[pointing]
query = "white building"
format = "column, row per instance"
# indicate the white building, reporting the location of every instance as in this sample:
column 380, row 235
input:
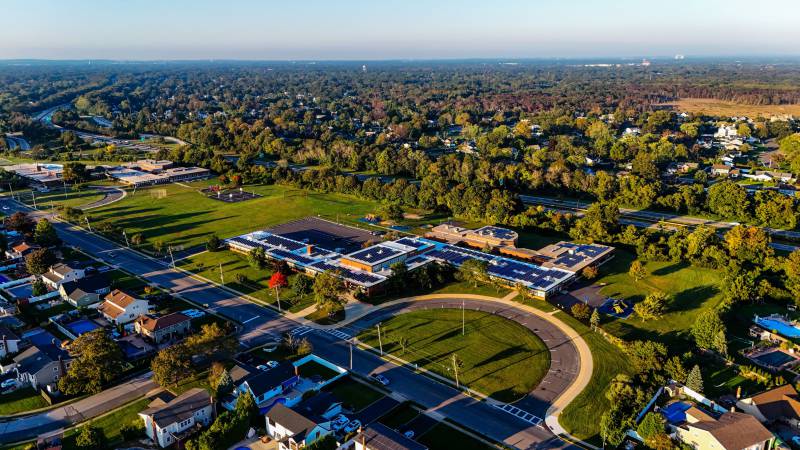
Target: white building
column 166, row 423
column 61, row 273
column 121, row 308
column 293, row 430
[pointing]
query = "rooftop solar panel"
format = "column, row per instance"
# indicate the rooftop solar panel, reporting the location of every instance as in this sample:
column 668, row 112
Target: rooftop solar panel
column 374, row 254
column 412, row 243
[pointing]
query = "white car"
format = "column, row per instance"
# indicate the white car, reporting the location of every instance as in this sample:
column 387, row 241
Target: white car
column 380, row 379
column 339, row 422
column 273, row 364
column 11, row 382
column 352, row 426
column 262, row 367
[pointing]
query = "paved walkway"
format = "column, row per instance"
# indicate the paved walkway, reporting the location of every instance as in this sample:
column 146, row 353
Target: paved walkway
column 568, row 395
column 112, row 195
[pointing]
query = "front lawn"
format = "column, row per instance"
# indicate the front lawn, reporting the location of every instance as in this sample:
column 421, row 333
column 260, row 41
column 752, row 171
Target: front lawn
column 111, row 423
column 21, row 400
column 254, row 283
column 354, row 395
column 500, row 358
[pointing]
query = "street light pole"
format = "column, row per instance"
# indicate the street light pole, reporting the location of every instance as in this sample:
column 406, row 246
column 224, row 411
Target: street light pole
column 221, row 275
column 125, row 235
column 380, row 341
column 462, row 318
column 171, row 257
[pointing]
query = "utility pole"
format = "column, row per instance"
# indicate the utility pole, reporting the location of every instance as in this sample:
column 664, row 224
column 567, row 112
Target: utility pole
column 171, row 257
column 88, row 224
column 455, row 369
column 463, row 321
column 11, row 188
column 125, row 235
column 351, row 353
column 221, row 275
column 34, row 199
column 380, row 341
column 278, row 297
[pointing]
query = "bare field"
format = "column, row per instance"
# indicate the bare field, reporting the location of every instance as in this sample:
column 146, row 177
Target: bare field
column 715, row 107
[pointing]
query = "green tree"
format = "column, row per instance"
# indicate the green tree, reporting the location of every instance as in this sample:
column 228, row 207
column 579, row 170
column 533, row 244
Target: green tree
column 581, row 311
column 38, row 261
column 301, row 285
column 729, row 200
column 212, row 243
column 790, row 147
column 707, row 328
column 45, row 234
column 637, row 271
column 675, row 369
column 652, row 307
column 695, row 379
column 257, row 257
column 328, row 290
column 91, row 437
column 75, row 172
column 594, row 320
column 96, row 361
column 651, row 426
column 171, row 365
column 38, row 288
column 600, row 223
column 474, row 271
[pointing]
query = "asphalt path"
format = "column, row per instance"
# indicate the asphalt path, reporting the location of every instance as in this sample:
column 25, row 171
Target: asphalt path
column 260, row 325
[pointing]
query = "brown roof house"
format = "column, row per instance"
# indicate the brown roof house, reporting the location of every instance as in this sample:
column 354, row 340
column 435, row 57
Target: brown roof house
column 169, row 422
column 781, row 404
column 728, row 431
column 163, row 328
column 121, row 308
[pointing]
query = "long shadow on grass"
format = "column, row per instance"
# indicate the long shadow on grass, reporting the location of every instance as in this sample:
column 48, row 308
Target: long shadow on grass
column 670, row 269
column 692, row 298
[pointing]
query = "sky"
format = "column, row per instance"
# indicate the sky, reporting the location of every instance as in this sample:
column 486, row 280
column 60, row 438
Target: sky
column 394, row 29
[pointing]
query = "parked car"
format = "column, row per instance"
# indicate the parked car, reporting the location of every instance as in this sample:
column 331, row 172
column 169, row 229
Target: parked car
column 262, row 367
column 273, row 364
column 380, row 379
column 339, row 422
column 9, row 383
column 352, row 426
column 409, row 434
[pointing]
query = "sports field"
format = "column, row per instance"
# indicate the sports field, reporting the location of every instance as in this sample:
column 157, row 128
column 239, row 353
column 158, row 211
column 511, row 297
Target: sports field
column 500, row 358
column 180, row 215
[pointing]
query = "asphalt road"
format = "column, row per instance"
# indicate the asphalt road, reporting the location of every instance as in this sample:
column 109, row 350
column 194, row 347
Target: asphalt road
column 260, row 325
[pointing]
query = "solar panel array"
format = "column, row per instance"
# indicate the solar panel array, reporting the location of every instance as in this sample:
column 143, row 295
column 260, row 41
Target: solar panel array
column 501, row 233
column 242, row 242
column 292, row 257
column 374, row 254
column 412, row 243
column 274, row 240
column 358, row 276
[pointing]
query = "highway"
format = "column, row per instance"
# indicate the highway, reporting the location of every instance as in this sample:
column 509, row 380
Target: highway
column 259, row 325
column 654, row 219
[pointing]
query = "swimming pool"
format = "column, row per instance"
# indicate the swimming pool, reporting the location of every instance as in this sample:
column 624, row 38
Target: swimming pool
column 675, row 413
column 774, row 359
column 82, row 326
column 782, row 327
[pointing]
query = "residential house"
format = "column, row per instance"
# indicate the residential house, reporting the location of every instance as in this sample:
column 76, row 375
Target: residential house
column 377, row 436
column 267, row 386
column 40, row 366
column 7, row 308
column 9, row 344
column 85, row 291
column 21, row 250
column 728, row 131
column 720, row 170
column 62, row 273
column 293, row 430
column 168, row 422
column 729, row 431
column 632, row 131
column 323, row 404
column 163, row 328
column 778, row 405
column 121, row 308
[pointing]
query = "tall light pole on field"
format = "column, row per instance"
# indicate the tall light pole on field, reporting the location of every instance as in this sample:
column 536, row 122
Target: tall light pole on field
column 463, row 321
column 380, row 341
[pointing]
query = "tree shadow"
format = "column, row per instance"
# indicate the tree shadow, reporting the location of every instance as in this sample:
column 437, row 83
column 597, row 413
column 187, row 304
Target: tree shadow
column 670, row 269
column 692, row 298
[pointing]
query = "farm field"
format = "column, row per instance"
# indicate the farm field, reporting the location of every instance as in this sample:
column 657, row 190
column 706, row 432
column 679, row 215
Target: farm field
column 500, row 358
column 716, row 107
column 179, row 215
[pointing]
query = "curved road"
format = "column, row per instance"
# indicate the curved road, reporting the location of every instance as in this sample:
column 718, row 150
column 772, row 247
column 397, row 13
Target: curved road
column 111, row 195
column 564, row 358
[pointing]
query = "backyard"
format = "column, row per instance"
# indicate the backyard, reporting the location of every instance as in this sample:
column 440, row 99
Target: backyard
column 499, row 358
column 21, row 400
column 180, row 216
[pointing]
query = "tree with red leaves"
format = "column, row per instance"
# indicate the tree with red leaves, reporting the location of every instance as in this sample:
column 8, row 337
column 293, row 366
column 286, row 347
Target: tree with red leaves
column 277, row 281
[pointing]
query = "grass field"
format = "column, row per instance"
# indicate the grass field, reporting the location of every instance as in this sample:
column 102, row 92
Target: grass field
column 48, row 200
column 207, row 265
column 179, row 215
column 501, row 358
column 715, row 107
column 111, row 423
column 693, row 291
column 21, row 400
column 354, row 395
column 581, row 417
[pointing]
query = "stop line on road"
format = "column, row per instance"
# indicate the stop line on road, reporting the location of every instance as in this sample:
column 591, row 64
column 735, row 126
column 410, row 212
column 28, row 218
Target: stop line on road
column 303, row 330
column 340, row 334
column 520, row 414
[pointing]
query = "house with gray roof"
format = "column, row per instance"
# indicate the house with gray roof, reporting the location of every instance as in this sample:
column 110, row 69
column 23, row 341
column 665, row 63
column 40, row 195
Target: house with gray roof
column 168, row 422
column 294, row 430
column 85, row 291
column 40, row 366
